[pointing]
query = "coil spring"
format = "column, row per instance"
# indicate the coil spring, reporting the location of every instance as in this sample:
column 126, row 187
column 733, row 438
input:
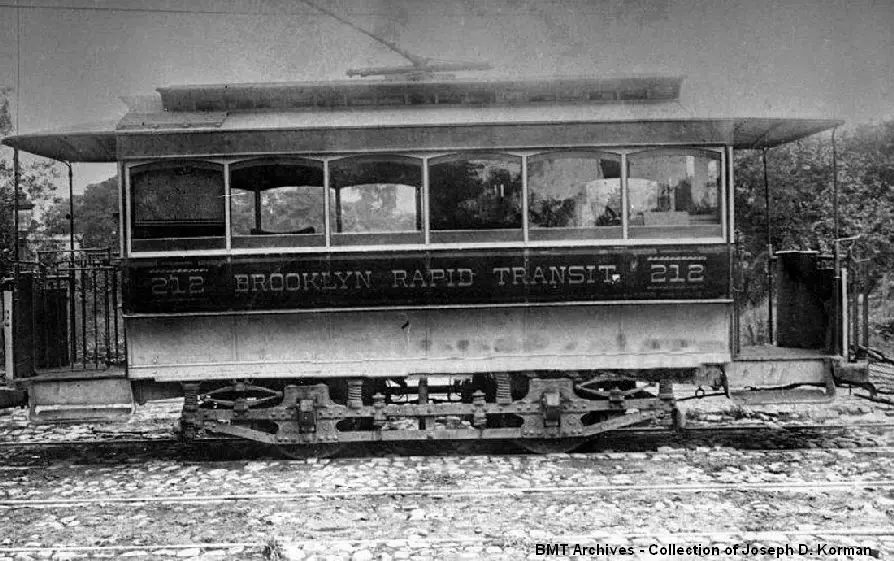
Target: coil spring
column 355, row 392
column 191, row 398
column 504, row 387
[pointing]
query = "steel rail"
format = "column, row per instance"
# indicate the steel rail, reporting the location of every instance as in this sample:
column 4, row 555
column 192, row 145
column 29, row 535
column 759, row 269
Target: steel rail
column 11, row 550
column 662, row 537
column 765, row 486
column 615, row 456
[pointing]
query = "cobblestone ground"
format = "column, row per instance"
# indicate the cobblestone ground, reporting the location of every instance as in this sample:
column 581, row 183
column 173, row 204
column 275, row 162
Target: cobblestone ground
column 467, row 507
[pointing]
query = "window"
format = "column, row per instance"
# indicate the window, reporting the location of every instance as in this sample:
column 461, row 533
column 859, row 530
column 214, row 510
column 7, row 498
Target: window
column 475, row 197
column 277, row 202
column 375, row 200
column 574, row 195
column 178, row 205
column 674, row 193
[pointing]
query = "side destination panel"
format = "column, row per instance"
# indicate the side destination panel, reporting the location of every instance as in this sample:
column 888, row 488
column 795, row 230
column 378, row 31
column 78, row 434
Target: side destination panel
column 430, row 278
column 385, row 343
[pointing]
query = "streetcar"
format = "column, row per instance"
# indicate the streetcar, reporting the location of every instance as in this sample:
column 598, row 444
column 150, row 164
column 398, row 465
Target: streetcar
column 317, row 263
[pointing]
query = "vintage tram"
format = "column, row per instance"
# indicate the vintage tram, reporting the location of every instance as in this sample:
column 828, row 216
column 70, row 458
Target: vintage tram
column 540, row 260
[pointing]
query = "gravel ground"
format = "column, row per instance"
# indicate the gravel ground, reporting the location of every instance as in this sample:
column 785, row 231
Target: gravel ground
column 306, row 509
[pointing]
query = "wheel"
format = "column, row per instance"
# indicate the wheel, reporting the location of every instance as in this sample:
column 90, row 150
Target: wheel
column 678, row 419
column 550, row 445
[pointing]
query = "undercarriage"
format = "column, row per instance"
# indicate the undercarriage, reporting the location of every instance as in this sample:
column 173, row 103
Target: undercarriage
column 543, row 411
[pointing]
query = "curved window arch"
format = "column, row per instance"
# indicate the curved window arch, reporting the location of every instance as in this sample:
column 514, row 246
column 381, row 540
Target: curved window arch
column 177, row 205
column 277, row 201
column 475, row 196
column 574, row 194
column 674, row 193
column 375, row 199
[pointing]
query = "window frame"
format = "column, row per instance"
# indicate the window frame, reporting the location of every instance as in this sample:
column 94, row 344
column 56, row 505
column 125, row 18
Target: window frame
column 493, row 155
column 596, row 154
column 129, row 205
column 321, row 238
column 365, row 239
column 718, row 155
column 723, row 152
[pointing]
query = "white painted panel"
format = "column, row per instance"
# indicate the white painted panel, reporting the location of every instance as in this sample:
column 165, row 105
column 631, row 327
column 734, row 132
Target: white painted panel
column 390, row 343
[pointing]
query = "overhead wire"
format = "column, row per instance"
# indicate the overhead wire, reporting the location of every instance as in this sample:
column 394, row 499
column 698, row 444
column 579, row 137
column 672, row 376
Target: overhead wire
column 274, row 12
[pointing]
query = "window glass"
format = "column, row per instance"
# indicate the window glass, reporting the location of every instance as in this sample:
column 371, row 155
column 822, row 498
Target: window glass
column 177, row 205
column 376, row 199
column 475, row 192
column 674, row 193
column 574, row 194
column 277, row 202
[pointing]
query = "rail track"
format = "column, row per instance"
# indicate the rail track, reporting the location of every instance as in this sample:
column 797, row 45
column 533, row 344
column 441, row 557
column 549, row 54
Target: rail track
column 668, row 537
column 850, row 484
column 764, row 486
column 266, row 549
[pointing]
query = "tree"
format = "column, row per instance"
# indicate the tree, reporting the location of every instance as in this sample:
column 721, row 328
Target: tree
column 5, row 116
column 801, row 205
column 801, row 195
column 475, row 194
column 36, row 181
column 95, row 212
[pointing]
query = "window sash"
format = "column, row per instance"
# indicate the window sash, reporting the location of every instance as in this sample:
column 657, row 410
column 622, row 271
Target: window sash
column 426, row 237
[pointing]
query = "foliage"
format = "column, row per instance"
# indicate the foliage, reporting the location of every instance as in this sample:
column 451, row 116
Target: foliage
column 801, row 199
column 802, row 210
column 283, row 210
column 475, row 194
column 95, row 212
column 377, row 195
column 378, row 207
column 36, row 180
column 5, row 115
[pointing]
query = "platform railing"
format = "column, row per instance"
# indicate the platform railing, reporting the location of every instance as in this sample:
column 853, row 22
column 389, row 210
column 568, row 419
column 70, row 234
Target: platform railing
column 859, row 289
column 75, row 315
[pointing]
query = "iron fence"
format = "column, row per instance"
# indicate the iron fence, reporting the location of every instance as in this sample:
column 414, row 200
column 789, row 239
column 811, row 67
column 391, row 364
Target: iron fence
column 71, row 299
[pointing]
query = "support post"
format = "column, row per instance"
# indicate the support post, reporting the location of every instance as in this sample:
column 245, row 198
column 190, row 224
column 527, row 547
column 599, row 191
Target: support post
column 842, row 303
column 864, row 285
column 71, row 272
column 15, row 208
column 836, row 251
column 771, row 330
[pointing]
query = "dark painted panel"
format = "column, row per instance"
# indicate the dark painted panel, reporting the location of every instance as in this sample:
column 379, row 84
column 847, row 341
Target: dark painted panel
column 426, row 278
column 23, row 323
column 459, row 137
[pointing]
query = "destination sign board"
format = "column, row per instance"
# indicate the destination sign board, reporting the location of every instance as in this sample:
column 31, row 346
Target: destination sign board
column 426, row 278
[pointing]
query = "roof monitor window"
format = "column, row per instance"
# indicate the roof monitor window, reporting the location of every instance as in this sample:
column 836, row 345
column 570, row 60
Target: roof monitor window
column 674, row 193
column 178, row 205
column 277, row 202
column 476, row 197
column 574, row 195
column 375, row 200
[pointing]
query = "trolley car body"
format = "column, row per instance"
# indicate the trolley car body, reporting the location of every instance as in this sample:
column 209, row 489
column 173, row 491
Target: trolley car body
column 303, row 261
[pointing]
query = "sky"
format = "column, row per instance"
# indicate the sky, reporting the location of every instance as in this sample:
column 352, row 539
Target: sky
column 70, row 61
